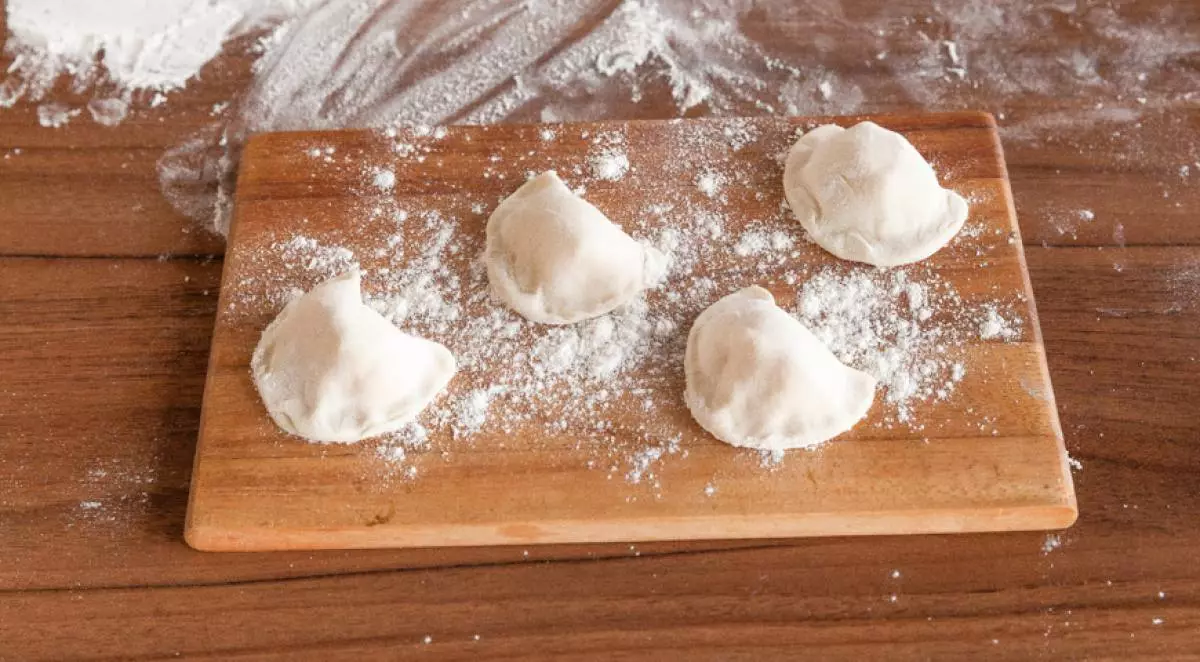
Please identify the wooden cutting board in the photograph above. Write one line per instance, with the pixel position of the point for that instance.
(988, 458)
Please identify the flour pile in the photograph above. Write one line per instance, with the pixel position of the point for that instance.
(123, 47)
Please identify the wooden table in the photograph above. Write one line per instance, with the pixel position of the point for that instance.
(107, 299)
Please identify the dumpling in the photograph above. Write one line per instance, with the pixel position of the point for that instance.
(757, 377)
(556, 259)
(866, 194)
(331, 369)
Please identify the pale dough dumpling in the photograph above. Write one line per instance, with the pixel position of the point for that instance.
(756, 377)
(866, 194)
(556, 259)
(331, 369)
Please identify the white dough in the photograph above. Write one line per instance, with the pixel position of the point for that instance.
(556, 259)
(331, 369)
(866, 194)
(756, 377)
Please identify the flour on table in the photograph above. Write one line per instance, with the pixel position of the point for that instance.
(327, 65)
(126, 44)
(338, 65)
(312, 255)
(55, 115)
(1052, 542)
(119, 494)
(108, 112)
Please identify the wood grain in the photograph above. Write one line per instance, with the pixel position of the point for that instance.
(75, 585)
(254, 488)
(103, 360)
(1063, 154)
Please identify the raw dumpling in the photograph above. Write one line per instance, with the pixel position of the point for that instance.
(331, 369)
(758, 378)
(556, 259)
(866, 194)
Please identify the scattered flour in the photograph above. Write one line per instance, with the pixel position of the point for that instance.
(996, 326)
(384, 179)
(610, 165)
(1052, 542)
(710, 183)
(54, 115)
(119, 494)
(108, 112)
(128, 45)
(769, 459)
(906, 326)
(758, 242)
(644, 460)
(309, 254)
(472, 410)
(291, 267)
(884, 323)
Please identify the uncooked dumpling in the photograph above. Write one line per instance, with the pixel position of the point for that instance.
(556, 259)
(758, 378)
(331, 369)
(866, 194)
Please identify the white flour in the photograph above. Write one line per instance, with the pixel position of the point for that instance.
(375, 62)
(996, 325)
(119, 494)
(384, 179)
(108, 112)
(905, 332)
(761, 242)
(610, 165)
(710, 183)
(123, 44)
(54, 115)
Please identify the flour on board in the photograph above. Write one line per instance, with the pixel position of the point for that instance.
(601, 382)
